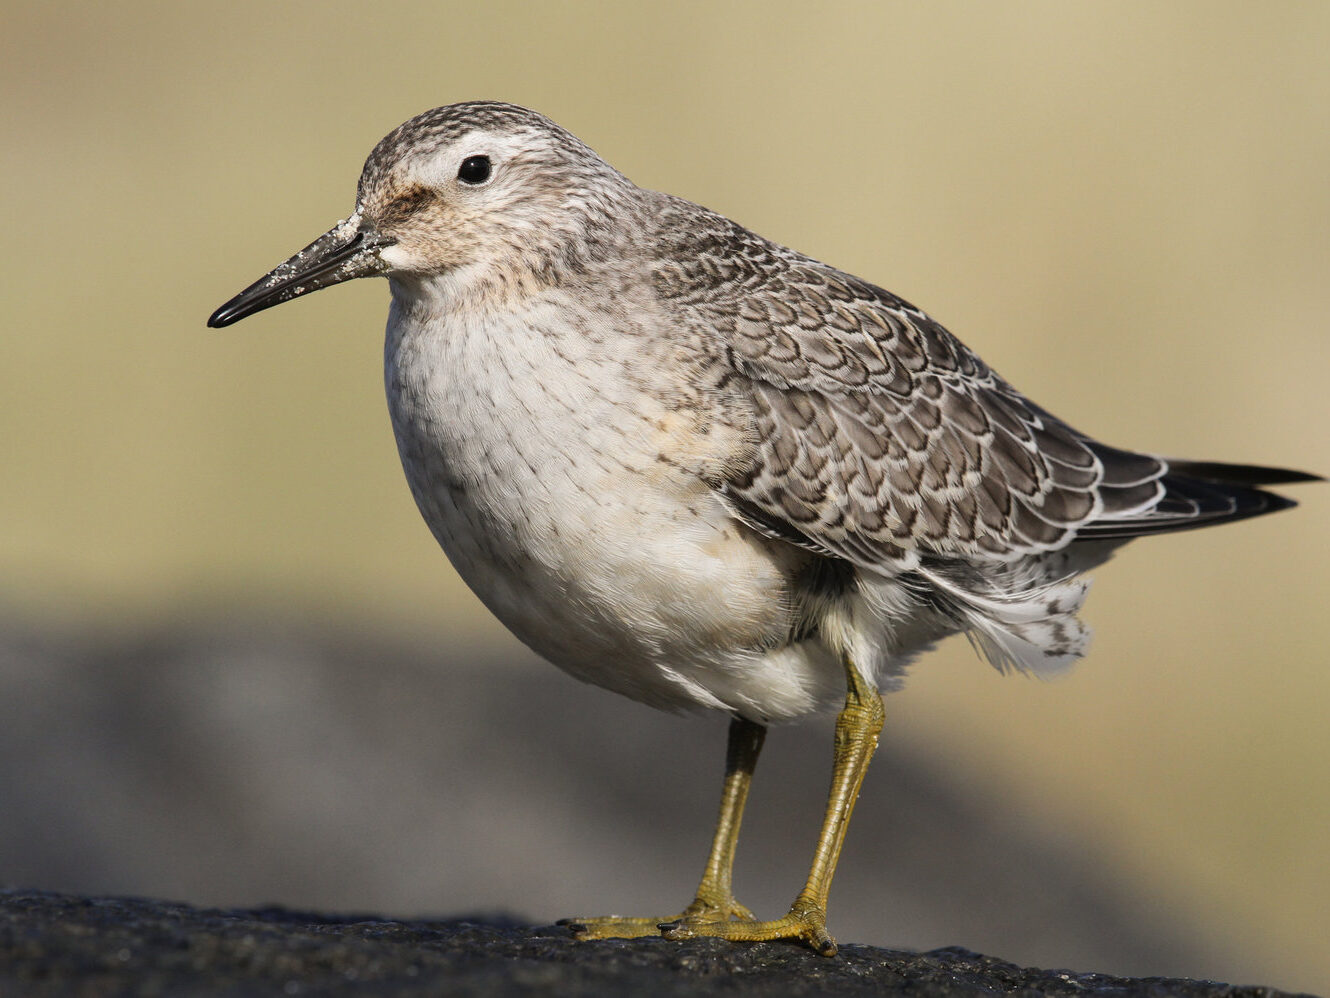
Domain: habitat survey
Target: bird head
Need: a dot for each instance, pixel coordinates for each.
(481, 191)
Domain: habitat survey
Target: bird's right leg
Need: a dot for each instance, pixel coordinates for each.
(715, 895)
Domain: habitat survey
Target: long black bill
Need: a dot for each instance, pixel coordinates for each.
(348, 251)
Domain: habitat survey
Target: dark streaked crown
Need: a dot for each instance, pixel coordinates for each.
(440, 126)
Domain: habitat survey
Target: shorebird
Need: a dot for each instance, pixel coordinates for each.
(690, 465)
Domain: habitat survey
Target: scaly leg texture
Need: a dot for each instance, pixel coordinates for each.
(857, 730)
(715, 896)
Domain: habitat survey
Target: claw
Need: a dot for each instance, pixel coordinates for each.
(823, 944)
(678, 930)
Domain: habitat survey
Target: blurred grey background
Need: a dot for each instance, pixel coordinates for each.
(234, 668)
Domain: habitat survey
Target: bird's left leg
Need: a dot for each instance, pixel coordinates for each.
(714, 901)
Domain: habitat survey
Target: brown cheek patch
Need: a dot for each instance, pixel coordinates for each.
(404, 204)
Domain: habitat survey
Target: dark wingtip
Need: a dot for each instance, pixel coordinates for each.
(1240, 474)
(1294, 477)
(1270, 502)
(1197, 496)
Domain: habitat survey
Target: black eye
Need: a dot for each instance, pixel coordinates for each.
(474, 170)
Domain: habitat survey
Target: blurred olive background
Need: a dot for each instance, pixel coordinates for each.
(1123, 206)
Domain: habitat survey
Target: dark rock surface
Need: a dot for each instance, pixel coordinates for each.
(244, 760)
(64, 944)
(247, 759)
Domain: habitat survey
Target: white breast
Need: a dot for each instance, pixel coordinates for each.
(552, 461)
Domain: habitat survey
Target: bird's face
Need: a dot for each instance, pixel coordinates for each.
(484, 198)
(489, 188)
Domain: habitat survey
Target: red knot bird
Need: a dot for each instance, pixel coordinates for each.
(690, 465)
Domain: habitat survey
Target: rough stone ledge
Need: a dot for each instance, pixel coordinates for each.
(89, 946)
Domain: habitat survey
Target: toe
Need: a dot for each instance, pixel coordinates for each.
(806, 927)
(610, 927)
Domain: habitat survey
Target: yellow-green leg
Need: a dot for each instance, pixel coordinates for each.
(715, 895)
(857, 730)
(715, 912)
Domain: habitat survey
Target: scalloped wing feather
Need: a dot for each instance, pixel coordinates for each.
(881, 439)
